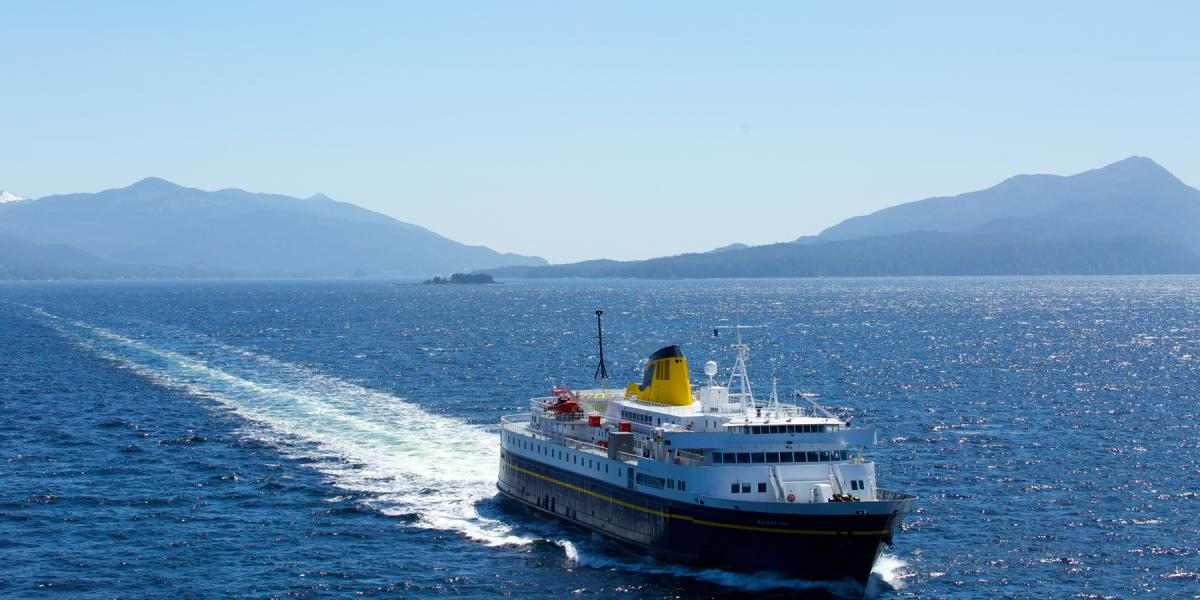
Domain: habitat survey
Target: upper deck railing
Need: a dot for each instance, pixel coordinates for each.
(519, 424)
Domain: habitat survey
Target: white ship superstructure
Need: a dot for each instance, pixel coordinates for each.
(681, 470)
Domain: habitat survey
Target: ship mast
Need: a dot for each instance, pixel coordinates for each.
(601, 369)
(739, 379)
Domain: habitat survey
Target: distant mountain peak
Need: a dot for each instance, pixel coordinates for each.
(184, 230)
(154, 183)
(320, 197)
(1135, 196)
(6, 196)
(1135, 161)
(1139, 167)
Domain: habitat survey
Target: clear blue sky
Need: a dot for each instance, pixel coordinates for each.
(579, 130)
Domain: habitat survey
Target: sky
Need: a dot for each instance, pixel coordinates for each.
(575, 130)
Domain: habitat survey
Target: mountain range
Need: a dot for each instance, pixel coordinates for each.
(155, 228)
(1130, 217)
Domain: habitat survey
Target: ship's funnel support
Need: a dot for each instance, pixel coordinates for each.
(665, 381)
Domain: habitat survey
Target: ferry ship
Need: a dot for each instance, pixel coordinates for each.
(704, 475)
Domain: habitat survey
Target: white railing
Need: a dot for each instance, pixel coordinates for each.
(518, 424)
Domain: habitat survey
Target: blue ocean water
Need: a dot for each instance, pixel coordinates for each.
(311, 439)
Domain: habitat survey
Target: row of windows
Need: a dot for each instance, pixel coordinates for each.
(639, 417)
(744, 488)
(767, 429)
(779, 457)
(857, 484)
(574, 459)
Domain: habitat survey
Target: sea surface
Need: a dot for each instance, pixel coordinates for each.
(338, 439)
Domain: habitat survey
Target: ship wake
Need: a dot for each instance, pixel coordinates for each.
(391, 451)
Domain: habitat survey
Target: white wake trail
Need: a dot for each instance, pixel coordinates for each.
(411, 462)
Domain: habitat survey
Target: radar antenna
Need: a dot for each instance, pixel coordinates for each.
(601, 369)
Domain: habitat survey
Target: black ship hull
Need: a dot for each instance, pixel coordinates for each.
(814, 547)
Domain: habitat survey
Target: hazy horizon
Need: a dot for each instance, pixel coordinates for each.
(575, 132)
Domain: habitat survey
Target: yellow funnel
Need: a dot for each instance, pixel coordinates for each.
(666, 380)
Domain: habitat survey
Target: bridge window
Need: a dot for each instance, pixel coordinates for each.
(757, 457)
(785, 457)
(716, 457)
(743, 457)
(812, 457)
(772, 457)
(762, 488)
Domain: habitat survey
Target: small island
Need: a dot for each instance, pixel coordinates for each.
(462, 278)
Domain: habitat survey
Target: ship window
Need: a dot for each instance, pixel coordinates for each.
(812, 457)
(733, 488)
(762, 488)
(854, 484)
(772, 457)
(785, 457)
(670, 484)
(729, 457)
(745, 488)
(743, 457)
(683, 486)
(825, 455)
(650, 480)
(716, 457)
(791, 429)
(758, 457)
